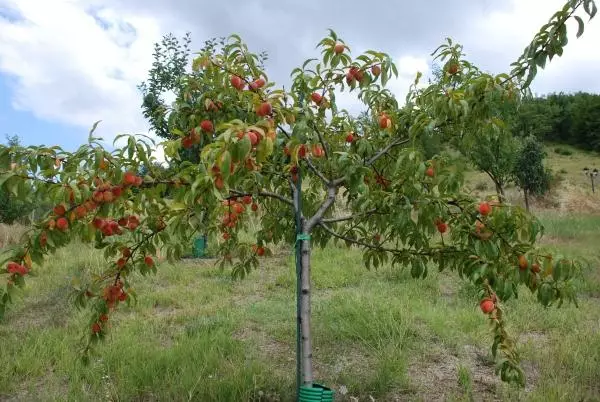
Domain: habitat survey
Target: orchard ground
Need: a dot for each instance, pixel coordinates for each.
(197, 335)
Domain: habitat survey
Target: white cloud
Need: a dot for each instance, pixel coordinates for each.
(74, 69)
(499, 38)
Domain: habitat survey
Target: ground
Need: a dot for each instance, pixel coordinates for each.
(196, 334)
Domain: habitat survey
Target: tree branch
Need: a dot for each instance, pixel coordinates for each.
(265, 193)
(318, 216)
(349, 217)
(317, 172)
(386, 149)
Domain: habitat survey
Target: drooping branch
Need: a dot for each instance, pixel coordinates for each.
(350, 217)
(264, 193)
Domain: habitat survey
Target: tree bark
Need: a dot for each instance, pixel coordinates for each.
(305, 314)
(526, 194)
(500, 191)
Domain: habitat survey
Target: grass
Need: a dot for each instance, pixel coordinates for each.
(197, 335)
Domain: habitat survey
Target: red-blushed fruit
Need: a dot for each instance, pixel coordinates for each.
(339, 48)
(60, 210)
(535, 267)
(429, 172)
(253, 86)
(123, 221)
(442, 227)
(96, 328)
(317, 151)
(148, 261)
(51, 224)
(98, 196)
(453, 68)
(487, 305)
(523, 263)
(254, 207)
(206, 126)
(219, 184)
(239, 208)
(121, 262)
(260, 82)
(129, 178)
(103, 317)
(385, 122)
(117, 191)
(247, 199)
(138, 181)
(485, 208)
(62, 224)
(237, 82)
(253, 137)
(108, 196)
(294, 169)
(195, 136)
(80, 211)
(123, 296)
(316, 97)
(126, 252)
(349, 78)
(264, 109)
(226, 236)
(187, 142)
(302, 151)
(260, 251)
(350, 138)
(43, 239)
(98, 223)
(376, 70)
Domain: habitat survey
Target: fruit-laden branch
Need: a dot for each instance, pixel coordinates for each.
(264, 193)
(377, 247)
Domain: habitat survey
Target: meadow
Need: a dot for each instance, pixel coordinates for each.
(196, 334)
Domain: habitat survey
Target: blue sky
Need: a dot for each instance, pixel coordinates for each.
(66, 63)
(31, 130)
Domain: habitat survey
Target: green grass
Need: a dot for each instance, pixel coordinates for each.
(197, 335)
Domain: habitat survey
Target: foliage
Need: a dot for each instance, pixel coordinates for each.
(565, 118)
(364, 184)
(13, 209)
(529, 170)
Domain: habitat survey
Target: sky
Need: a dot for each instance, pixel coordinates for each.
(65, 64)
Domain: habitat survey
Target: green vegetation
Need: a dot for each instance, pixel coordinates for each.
(196, 334)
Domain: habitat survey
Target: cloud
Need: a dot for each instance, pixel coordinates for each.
(78, 61)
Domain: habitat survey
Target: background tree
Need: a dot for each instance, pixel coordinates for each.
(529, 171)
(13, 209)
(365, 184)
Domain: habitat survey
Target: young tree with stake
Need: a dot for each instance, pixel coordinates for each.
(367, 186)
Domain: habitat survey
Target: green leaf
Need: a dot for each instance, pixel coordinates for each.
(580, 25)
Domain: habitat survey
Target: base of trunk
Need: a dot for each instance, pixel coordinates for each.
(315, 393)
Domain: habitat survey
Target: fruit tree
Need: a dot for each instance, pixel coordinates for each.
(309, 172)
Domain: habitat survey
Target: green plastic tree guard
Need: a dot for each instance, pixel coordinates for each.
(316, 393)
(199, 248)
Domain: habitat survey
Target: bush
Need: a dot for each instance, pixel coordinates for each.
(563, 151)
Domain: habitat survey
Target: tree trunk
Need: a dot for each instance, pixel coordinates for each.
(305, 313)
(526, 194)
(500, 192)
